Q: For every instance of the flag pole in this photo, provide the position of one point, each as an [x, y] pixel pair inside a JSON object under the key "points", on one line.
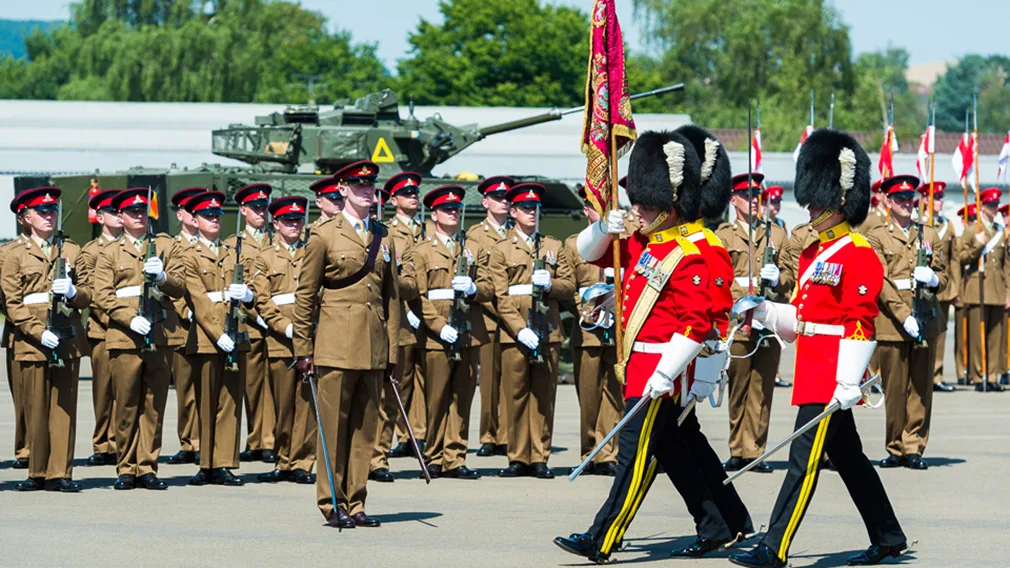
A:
{"points": [[981, 259], [615, 191], [931, 148]]}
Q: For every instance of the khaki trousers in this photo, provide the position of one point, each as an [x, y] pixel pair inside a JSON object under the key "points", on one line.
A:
{"points": [[751, 385], [943, 316], [601, 403], [140, 380], [295, 439], [530, 391], [261, 416], [103, 441], [16, 383], [51, 411], [411, 371], [219, 400], [449, 389], [959, 343], [908, 395], [493, 427], [993, 333], [185, 392], [349, 409]]}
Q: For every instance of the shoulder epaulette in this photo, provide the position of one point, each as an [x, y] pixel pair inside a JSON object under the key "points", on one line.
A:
{"points": [[688, 247], [859, 240], [713, 239]]}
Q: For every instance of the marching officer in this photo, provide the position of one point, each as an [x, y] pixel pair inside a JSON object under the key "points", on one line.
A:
{"points": [[529, 356], [14, 379], [831, 321], [484, 235], [103, 441], [329, 200], [182, 370], [275, 279], [983, 239], [140, 351], [259, 400], [48, 356], [755, 357], [454, 334], [348, 274], [907, 326], [209, 266]]}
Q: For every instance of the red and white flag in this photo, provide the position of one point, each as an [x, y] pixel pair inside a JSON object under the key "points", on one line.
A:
{"points": [[927, 146], [803, 138], [1004, 157], [962, 158], [755, 145], [887, 151]]}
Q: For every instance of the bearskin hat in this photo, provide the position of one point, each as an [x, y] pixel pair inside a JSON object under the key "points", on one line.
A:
{"points": [[664, 173], [833, 172], [715, 170]]}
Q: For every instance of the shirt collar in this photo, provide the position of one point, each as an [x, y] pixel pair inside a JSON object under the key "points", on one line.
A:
{"points": [[444, 238], [41, 242], [493, 225], [408, 220], [255, 233], [350, 217], [834, 233], [134, 241], [209, 244]]}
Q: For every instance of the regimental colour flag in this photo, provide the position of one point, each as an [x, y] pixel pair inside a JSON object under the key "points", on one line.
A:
{"points": [[1004, 157], [927, 147], [887, 151], [803, 138], [962, 159], [755, 155]]}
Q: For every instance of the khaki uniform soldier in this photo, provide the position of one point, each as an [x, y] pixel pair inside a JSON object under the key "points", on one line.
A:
{"points": [[348, 274], [945, 230], [771, 197], [960, 314], [483, 236], [276, 278], [259, 401], [209, 267], [48, 359], [139, 339], [878, 214], [329, 201], [983, 239], [103, 441], [751, 378], [14, 379], [453, 335], [906, 345], [182, 369], [529, 388]]}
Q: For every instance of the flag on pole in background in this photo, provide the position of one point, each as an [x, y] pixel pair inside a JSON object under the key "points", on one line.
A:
{"points": [[887, 150], [153, 206], [1004, 157], [803, 138], [927, 146], [755, 144], [962, 158], [608, 104]]}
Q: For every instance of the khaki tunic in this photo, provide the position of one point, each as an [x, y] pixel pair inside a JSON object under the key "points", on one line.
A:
{"points": [[968, 250], [14, 379], [182, 369], [875, 218]]}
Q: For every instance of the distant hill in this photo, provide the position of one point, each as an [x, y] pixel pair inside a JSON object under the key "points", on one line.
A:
{"points": [[12, 33]]}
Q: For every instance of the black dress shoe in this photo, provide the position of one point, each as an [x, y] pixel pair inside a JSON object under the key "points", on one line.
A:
{"points": [[111, 458], [363, 520], [782, 383], [541, 470], [915, 461], [20, 463], [381, 475], [63, 485], [274, 476], [224, 476], [605, 468], [461, 472], [340, 519], [202, 477], [501, 450], [486, 450], [32, 484], [303, 477], [125, 482], [96, 459], [943, 387], [760, 556], [733, 464], [515, 469], [873, 555], [401, 450], [762, 467], [151, 481], [1004, 379], [989, 387], [250, 455], [698, 548], [962, 382], [181, 457], [581, 545], [434, 472], [891, 461], [268, 456]]}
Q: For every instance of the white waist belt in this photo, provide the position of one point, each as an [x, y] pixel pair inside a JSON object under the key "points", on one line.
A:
{"points": [[215, 296], [284, 299], [441, 294], [744, 281], [128, 292], [36, 298], [810, 328], [655, 348], [903, 283], [521, 290]]}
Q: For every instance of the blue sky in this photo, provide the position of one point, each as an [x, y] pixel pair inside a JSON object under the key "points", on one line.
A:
{"points": [[931, 30]]}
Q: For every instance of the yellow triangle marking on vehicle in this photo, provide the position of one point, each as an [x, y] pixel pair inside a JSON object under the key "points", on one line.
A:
{"points": [[382, 153]]}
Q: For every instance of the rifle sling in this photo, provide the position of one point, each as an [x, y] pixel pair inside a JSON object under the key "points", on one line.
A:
{"points": [[373, 252]]}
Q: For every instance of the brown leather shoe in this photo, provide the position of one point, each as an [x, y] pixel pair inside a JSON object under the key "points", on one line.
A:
{"points": [[339, 519], [363, 520]]}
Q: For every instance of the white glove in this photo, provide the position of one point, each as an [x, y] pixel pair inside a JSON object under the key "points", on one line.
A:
{"points": [[911, 326], [413, 320], [528, 337], [771, 273], [542, 278], [847, 395], [615, 222], [140, 325], [155, 267], [49, 339], [289, 331], [64, 287], [448, 334], [853, 357], [240, 292], [658, 385], [261, 323], [225, 343], [700, 390], [464, 284], [926, 275]]}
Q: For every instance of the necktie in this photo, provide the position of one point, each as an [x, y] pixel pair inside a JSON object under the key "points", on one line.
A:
{"points": [[292, 249], [451, 245], [501, 232], [138, 244], [359, 228], [46, 248]]}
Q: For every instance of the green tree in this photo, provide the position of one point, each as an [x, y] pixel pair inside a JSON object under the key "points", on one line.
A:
{"points": [[986, 76], [879, 77]]}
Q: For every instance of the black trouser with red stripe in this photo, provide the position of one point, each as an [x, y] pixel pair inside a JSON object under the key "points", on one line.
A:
{"points": [[837, 436]]}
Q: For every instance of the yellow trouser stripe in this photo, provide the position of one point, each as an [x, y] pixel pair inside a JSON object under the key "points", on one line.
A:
{"points": [[808, 483], [636, 479], [650, 475]]}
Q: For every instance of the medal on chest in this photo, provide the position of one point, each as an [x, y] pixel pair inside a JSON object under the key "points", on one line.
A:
{"points": [[550, 258], [827, 273], [385, 253], [469, 255]]}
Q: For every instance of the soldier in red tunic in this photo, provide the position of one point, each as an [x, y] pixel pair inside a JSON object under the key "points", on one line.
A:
{"points": [[831, 319]]}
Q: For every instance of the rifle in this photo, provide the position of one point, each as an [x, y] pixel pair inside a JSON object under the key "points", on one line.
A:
{"points": [[768, 257], [922, 305], [747, 324], [459, 311], [150, 307], [235, 315], [537, 320], [57, 321]]}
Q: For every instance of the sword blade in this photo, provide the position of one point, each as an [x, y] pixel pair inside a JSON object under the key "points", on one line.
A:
{"points": [[311, 378], [410, 431], [687, 410], [631, 414]]}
